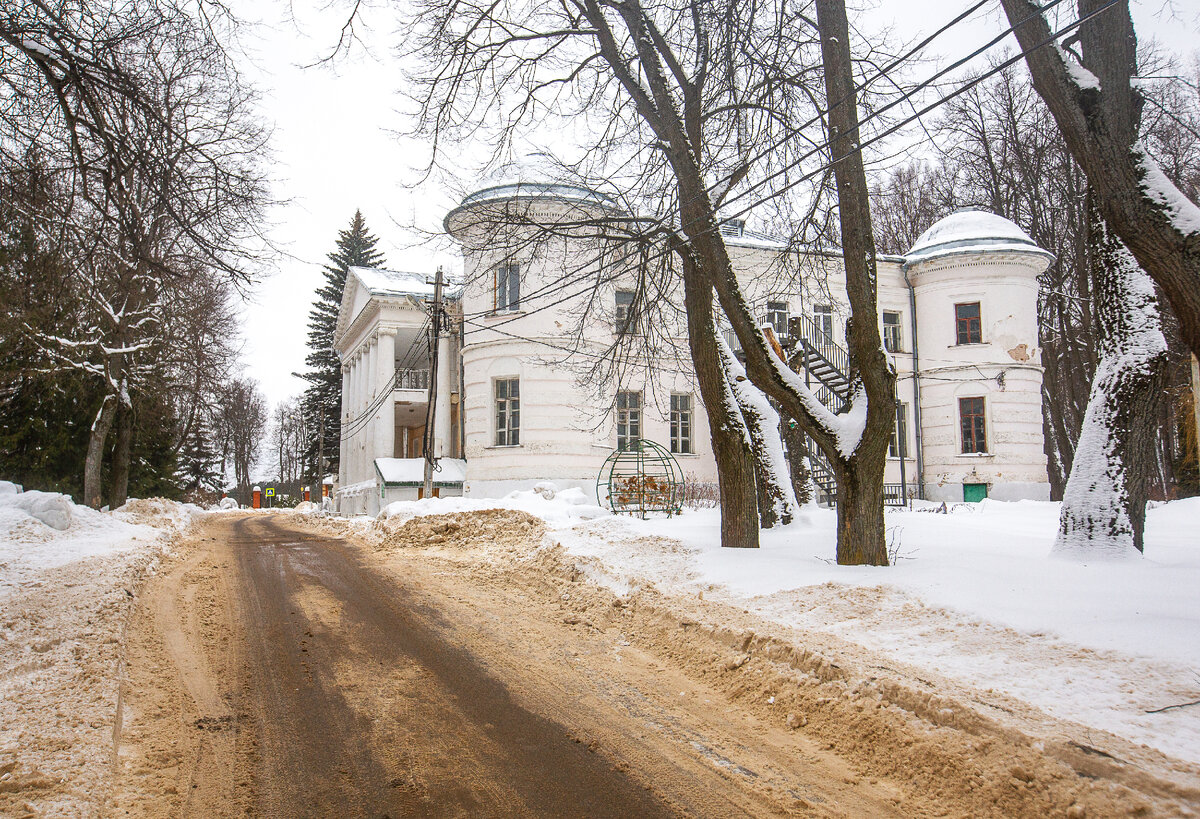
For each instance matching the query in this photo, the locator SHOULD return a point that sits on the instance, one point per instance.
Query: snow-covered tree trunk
(1104, 505)
(776, 499)
(735, 466)
(98, 437)
(118, 491)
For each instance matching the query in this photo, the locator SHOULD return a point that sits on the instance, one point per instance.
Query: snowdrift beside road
(974, 596)
(68, 575)
(43, 530)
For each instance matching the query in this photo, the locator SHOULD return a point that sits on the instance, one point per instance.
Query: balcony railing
(407, 379)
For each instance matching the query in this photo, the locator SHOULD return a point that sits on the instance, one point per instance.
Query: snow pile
(974, 595)
(227, 503)
(558, 508)
(50, 508)
(43, 530)
(68, 576)
(158, 512)
(307, 508)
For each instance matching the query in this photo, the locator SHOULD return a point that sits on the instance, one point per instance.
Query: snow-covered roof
(411, 471)
(971, 231)
(534, 176)
(379, 282)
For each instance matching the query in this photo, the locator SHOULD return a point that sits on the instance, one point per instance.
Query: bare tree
(712, 106)
(1097, 105)
(288, 440)
(149, 128)
(243, 420)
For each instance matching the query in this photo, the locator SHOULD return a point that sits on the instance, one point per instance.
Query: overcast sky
(339, 145)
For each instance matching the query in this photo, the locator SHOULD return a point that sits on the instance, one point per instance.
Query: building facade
(958, 313)
(382, 338)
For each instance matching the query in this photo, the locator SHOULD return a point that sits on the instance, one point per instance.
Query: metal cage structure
(641, 479)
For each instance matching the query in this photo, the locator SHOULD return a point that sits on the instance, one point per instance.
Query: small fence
(407, 379)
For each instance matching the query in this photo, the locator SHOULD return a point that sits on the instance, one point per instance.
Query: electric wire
(862, 86)
(887, 132)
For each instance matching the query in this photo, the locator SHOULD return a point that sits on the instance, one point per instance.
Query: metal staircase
(826, 369)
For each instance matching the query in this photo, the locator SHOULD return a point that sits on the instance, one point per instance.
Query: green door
(973, 492)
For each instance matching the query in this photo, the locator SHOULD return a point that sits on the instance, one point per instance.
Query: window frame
(976, 436)
(775, 309)
(822, 316)
(506, 287)
(898, 444)
(628, 417)
(625, 320)
(899, 331)
(971, 323)
(507, 411)
(682, 422)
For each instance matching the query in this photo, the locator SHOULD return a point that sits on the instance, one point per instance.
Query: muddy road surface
(461, 665)
(274, 672)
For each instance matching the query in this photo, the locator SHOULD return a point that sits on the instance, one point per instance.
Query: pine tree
(198, 460)
(323, 398)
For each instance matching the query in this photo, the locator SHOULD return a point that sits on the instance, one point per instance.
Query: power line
(887, 132)
(861, 87)
(659, 222)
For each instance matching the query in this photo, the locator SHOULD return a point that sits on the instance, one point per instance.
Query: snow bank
(557, 508)
(68, 576)
(974, 595)
(43, 530)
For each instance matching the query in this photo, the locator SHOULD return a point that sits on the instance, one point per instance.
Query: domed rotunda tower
(975, 286)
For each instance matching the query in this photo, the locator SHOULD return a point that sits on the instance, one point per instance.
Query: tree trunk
(735, 465)
(97, 441)
(1104, 505)
(118, 491)
(776, 499)
(1099, 123)
(802, 483)
(861, 533)
(861, 537)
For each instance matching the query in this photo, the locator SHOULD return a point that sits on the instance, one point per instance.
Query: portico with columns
(382, 338)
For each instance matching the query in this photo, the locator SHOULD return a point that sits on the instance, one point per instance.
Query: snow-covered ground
(68, 575)
(974, 596)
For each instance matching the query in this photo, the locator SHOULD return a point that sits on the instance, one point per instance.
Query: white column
(371, 369)
(343, 410)
(385, 422)
(441, 409)
(356, 440)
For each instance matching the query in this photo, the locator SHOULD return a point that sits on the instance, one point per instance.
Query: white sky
(338, 146)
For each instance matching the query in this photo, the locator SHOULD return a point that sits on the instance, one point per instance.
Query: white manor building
(959, 311)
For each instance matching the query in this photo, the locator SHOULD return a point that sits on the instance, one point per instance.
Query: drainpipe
(912, 309)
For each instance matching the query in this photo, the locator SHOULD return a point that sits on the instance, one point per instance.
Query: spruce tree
(198, 461)
(323, 398)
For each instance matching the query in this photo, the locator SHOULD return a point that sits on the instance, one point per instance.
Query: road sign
(270, 491)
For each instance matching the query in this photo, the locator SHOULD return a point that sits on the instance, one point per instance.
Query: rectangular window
(974, 428)
(507, 295)
(966, 321)
(508, 412)
(629, 420)
(823, 316)
(892, 339)
(681, 424)
(626, 319)
(898, 446)
(777, 318)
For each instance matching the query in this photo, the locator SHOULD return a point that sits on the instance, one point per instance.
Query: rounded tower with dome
(974, 277)
(528, 255)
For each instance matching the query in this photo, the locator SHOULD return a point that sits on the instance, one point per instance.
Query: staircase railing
(827, 364)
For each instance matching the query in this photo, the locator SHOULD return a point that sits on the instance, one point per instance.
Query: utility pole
(319, 493)
(435, 331)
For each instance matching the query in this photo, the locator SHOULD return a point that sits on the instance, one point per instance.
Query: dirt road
(274, 669)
